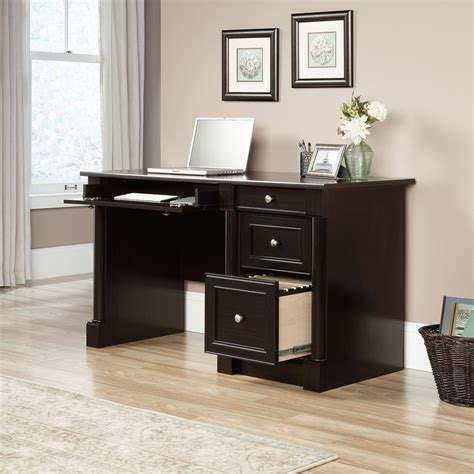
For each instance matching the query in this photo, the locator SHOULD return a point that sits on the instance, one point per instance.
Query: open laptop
(219, 146)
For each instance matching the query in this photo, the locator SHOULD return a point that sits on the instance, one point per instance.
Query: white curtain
(15, 237)
(122, 46)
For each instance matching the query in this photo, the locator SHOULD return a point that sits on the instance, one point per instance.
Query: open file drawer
(257, 319)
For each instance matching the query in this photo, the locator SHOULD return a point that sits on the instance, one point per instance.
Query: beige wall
(151, 122)
(415, 56)
(64, 226)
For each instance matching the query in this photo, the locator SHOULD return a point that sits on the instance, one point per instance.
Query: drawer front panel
(277, 243)
(271, 199)
(241, 318)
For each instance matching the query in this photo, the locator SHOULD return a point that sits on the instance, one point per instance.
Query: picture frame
(322, 49)
(326, 161)
(250, 64)
(457, 317)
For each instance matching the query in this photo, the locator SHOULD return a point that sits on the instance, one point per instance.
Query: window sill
(53, 200)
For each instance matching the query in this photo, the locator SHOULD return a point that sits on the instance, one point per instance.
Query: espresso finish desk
(346, 240)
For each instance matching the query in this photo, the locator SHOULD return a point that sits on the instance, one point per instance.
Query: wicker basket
(452, 361)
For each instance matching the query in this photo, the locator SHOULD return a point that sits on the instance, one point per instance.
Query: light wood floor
(390, 424)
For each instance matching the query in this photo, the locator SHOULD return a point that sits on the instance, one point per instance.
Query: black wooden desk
(347, 239)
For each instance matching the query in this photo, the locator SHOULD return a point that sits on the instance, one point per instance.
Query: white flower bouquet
(358, 117)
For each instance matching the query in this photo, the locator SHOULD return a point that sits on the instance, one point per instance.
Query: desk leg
(93, 328)
(138, 283)
(229, 366)
(319, 293)
(312, 375)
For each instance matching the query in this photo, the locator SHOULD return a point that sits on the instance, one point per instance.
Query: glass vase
(358, 160)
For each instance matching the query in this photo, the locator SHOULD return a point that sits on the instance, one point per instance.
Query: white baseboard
(52, 262)
(415, 351)
(77, 259)
(194, 312)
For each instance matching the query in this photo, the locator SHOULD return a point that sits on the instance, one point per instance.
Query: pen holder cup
(305, 159)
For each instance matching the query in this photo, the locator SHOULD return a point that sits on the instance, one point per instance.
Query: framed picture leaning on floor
(457, 317)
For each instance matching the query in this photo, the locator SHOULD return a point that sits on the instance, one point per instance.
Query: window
(65, 86)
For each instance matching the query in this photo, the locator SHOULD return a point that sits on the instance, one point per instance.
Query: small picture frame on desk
(457, 317)
(326, 161)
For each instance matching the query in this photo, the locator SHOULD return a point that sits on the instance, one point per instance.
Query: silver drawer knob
(238, 318)
(274, 243)
(268, 199)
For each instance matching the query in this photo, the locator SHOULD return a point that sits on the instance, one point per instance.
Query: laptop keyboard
(219, 170)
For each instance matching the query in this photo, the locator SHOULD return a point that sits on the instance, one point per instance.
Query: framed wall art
(250, 64)
(322, 49)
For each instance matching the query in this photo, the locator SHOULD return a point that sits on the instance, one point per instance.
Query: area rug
(43, 429)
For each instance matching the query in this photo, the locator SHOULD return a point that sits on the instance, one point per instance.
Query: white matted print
(322, 49)
(250, 64)
(321, 52)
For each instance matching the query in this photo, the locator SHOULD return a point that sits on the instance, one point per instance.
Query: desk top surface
(251, 178)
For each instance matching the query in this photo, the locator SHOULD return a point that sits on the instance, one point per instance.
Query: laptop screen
(221, 143)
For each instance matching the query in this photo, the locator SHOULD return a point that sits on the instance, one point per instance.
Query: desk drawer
(271, 199)
(256, 319)
(276, 243)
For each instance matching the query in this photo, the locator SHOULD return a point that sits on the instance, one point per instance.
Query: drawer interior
(294, 314)
(286, 285)
(262, 318)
